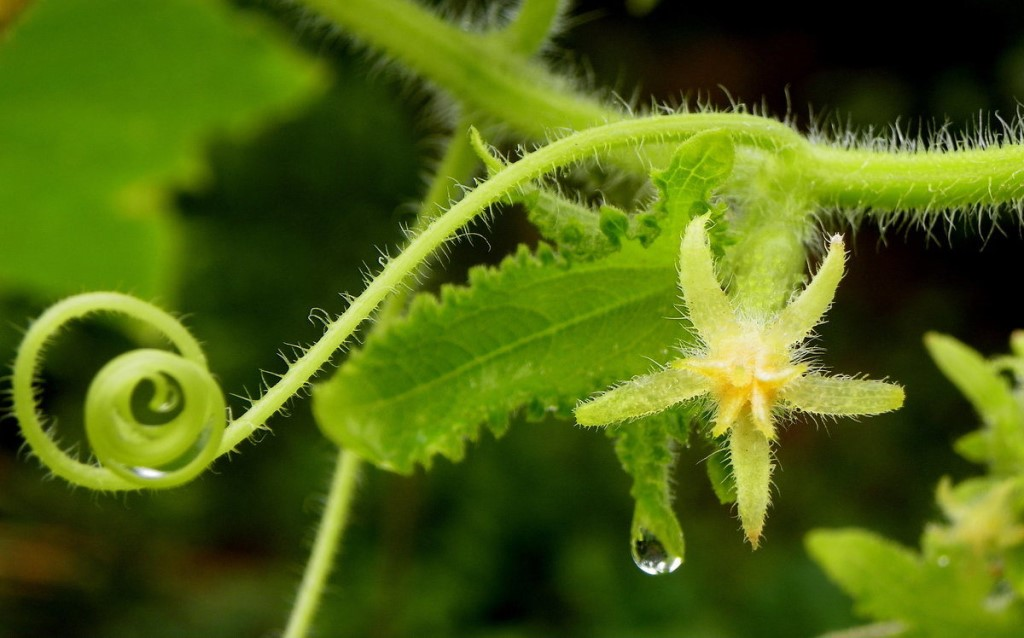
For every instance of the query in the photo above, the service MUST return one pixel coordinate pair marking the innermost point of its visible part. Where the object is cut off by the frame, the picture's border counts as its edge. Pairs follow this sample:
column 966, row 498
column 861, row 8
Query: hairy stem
column 456, row 167
column 328, row 538
column 486, row 75
column 927, row 180
column 667, row 129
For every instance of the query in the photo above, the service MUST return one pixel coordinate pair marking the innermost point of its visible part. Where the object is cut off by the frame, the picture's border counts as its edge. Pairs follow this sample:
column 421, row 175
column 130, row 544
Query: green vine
column 725, row 219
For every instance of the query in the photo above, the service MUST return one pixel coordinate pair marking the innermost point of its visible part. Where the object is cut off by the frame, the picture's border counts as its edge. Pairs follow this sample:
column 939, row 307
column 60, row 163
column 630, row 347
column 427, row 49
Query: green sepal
column 644, row 448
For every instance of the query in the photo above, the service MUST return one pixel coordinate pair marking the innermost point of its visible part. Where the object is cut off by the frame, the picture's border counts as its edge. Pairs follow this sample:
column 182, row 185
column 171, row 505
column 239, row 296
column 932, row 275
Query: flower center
column 746, row 375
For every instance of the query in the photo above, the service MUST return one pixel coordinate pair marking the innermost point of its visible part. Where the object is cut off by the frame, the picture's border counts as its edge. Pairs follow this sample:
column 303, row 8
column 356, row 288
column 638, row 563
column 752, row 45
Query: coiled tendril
column 153, row 418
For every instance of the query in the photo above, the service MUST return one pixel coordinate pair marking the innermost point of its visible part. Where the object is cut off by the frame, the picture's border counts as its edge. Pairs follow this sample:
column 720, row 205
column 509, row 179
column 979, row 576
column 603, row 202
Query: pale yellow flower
column 751, row 367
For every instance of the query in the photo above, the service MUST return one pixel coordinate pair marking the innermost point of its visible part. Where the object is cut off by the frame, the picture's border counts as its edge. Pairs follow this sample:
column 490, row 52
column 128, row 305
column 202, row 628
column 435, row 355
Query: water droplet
column 147, row 473
column 650, row 555
column 942, row 561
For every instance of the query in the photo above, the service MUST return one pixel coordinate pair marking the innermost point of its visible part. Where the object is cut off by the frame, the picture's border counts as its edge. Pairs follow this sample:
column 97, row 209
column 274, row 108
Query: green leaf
column 953, row 595
column 575, row 229
column 686, row 186
column 991, row 396
column 534, row 330
column 883, row 577
column 103, row 102
column 539, row 330
column 1014, row 565
column 685, row 191
column 644, row 449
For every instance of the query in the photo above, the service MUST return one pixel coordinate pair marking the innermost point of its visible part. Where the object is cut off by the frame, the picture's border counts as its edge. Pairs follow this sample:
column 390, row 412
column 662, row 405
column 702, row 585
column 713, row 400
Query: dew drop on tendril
column 650, row 555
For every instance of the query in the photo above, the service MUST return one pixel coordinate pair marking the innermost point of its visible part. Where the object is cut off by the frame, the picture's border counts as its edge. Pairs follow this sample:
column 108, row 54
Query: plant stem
column 456, row 167
column 328, row 537
column 480, row 70
column 927, row 180
column 533, row 24
column 746, row 129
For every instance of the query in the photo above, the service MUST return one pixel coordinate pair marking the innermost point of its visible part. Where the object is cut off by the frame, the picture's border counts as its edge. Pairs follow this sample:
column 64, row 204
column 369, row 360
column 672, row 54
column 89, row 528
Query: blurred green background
column 243, row 167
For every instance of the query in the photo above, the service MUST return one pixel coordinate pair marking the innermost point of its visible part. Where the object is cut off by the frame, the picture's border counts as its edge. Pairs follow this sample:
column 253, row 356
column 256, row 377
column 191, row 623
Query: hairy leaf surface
column 540, row 330
column 535, row 330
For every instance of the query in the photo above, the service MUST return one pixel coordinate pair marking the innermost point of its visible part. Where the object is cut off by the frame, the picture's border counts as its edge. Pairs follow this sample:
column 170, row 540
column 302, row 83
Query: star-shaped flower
column 751, row 367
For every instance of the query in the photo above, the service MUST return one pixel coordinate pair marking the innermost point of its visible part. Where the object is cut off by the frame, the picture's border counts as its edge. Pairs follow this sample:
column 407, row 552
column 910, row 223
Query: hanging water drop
column 651, row 557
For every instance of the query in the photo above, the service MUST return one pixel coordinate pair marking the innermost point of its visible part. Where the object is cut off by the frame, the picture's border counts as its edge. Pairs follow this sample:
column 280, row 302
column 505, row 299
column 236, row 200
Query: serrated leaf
column 535, row 329
column 102, row 102
column 877, row 573
column 576, row 230
column 538, row 330
column 685, row 187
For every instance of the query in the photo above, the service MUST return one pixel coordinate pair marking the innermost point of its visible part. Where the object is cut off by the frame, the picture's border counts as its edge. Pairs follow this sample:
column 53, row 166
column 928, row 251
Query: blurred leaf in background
column 103, row 103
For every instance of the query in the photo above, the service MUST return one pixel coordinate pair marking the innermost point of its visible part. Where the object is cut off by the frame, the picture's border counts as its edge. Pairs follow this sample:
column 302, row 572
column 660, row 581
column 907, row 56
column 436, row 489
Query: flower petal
column 804, row 312
column 708, row 307
column 642, row 396
column 837, row 396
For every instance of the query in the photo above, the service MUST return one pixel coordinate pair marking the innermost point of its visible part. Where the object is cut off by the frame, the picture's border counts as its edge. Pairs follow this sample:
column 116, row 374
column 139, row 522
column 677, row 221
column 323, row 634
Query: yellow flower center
column 746, row 374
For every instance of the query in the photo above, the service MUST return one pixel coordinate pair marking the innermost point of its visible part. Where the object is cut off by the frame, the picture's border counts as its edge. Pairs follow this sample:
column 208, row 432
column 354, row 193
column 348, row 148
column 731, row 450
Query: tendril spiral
column 153, row 418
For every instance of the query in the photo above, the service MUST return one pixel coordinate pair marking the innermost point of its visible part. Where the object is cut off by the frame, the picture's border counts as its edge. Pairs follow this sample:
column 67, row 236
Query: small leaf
column 697, row 167
column 991, row 396
column 880, row 575
column 576, row 230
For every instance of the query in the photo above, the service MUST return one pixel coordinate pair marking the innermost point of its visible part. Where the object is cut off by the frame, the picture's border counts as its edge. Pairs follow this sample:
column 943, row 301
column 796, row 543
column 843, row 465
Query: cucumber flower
column 753, row 369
